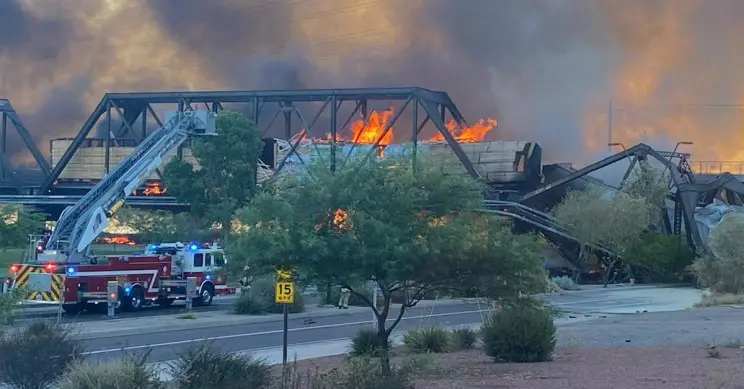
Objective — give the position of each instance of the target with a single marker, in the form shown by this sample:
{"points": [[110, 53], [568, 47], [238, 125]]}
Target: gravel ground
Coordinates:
{"points": [[639, 351]]}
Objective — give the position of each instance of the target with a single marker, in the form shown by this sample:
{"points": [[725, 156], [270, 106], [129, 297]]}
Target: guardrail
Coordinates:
{"points": [[717, 167], [68, 200]]}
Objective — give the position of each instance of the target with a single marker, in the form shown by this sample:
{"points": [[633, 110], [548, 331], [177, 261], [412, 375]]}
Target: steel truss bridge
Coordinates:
{"points": [[127, 117]]}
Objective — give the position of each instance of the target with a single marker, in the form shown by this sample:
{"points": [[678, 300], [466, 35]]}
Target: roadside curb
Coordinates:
{"points": [[230, 320]]}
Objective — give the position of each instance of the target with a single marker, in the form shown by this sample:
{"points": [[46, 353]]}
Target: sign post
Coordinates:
{"points": [[284, 294]]}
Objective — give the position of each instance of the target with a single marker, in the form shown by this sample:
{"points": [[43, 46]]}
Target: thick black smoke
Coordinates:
{"points": [[539, 66]]}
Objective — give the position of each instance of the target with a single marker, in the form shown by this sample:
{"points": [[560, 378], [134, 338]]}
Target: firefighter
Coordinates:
{"points": [[343, 301], [245, 281]]}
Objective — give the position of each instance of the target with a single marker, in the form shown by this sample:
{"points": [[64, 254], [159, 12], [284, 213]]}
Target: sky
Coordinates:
{"points": [[546, 70]]}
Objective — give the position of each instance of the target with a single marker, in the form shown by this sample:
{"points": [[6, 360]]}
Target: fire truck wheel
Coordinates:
{"points": [[135, 300], [206, 296]]}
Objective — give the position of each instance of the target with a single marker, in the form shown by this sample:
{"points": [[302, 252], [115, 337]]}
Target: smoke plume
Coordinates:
{"points": [[546, 69]]}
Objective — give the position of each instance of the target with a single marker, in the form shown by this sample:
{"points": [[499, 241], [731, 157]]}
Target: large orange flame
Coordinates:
{"points": [[368, 131], [476, 132]]}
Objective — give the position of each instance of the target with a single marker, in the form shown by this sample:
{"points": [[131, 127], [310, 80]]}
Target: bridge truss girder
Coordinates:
{"points": [[421, 105], [683, 189]]}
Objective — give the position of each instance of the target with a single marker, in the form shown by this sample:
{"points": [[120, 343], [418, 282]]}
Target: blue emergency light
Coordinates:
{"points": [[127, 290], [194, 247], [71, 271]]}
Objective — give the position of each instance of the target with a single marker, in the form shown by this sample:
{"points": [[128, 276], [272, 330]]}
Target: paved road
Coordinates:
{"points": [[166, 345], [30, 314]]}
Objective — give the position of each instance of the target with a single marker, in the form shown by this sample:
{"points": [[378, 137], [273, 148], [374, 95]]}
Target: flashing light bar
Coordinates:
{"points": [[14, 268], [50, 267]]}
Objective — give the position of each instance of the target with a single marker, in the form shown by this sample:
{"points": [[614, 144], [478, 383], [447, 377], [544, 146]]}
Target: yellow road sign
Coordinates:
{"points": [[284, 293]]}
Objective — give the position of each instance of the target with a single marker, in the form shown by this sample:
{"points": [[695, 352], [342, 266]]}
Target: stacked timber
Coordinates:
{"points": [[88, 163], [496, 162]]}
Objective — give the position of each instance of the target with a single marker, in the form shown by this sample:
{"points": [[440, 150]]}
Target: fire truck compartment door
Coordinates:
{"points": [[39, 282], [96, 225]]}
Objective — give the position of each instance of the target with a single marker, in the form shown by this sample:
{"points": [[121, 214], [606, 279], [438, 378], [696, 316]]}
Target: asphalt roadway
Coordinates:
{"points": [[166, 345]]}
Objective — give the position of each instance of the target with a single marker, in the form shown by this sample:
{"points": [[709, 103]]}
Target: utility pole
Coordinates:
{"points": [[609, 126]]}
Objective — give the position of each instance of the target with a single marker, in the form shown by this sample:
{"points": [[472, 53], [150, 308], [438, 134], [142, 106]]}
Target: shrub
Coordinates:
{"points": [[365, 373], [33, 356], [367, 342], [463, 338], [519, 334], [722, 272], [249, 304], [427, 340], [263, 290], [125, 373], [565, 283], [205, 367]]}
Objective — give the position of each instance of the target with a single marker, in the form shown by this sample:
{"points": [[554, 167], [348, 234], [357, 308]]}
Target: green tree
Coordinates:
{"points": [[595, 218], [160, 225], [663, 257], [225, 178], [407, 233], [17, 222], [723, 268]]}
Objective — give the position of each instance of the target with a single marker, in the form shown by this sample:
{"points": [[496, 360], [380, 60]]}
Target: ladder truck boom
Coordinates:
{"points": [[80, 224]]}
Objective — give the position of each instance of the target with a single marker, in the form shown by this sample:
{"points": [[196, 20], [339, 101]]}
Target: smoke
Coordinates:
{"points": [[545, 68]]}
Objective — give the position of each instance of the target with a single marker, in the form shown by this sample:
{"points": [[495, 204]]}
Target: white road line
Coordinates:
{"points": [[261, 333]]}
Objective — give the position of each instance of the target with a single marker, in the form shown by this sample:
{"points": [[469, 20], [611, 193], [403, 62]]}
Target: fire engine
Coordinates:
{"points": [[61, 270]]}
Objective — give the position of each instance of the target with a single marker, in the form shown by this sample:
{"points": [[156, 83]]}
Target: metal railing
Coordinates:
{"points": [[717, 167]]}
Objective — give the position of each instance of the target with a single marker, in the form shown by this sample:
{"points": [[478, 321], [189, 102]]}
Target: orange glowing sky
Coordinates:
{"points": [[545, 69]]}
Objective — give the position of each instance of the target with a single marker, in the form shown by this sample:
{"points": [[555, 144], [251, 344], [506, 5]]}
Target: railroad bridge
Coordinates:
{"points": [[300, 125]]}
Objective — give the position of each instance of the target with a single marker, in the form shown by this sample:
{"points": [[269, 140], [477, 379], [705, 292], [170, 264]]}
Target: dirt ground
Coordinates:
{"points": [[693, 354]]}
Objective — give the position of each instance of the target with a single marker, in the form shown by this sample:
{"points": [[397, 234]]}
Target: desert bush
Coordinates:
{"points": [[463, 338], [263, 290], [130, 372], [366, 342], [565, 283], [722, 271], [366, 373], [249, 304], [206, 367], [519, 334], [34, 355], [427, 340]]}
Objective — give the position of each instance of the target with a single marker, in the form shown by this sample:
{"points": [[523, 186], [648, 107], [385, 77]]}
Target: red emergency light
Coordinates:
{"points": [[49, 267], [14, 268]]}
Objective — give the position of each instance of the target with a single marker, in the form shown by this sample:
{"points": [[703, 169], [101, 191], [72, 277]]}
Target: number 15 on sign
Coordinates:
{"points": [[284, 293]]}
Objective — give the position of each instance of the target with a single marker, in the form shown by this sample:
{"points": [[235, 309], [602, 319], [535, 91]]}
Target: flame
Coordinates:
{"points": [[118, 240], [153, 189], [476, 132], [368, 131], [338, 221], [339, 218]]}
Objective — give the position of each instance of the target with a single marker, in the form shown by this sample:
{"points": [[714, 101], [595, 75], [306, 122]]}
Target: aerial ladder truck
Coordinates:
{"points": [[61, 268]]}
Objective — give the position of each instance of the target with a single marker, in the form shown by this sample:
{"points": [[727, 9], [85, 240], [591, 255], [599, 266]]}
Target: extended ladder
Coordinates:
{"points": [[80, 224]]}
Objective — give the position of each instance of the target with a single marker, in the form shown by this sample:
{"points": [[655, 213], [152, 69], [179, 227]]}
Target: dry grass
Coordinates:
{"points": [[714, 299], [684, 367]]}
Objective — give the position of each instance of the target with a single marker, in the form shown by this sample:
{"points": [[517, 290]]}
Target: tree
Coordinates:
{"points": [[226, 176], [17, 222], [160, 225], [659, 255], [597, 218], [407, 232], [723, 268], [649, 184]]}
